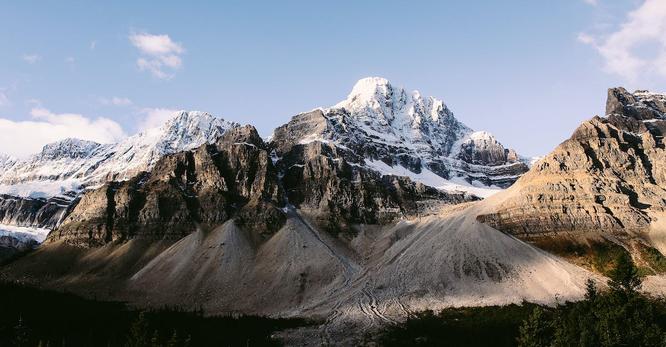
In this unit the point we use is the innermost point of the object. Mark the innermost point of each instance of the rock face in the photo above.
(321, 183)
(236, 178)
(381, 123)
(185, 191)
(72, 164)
(609, 176)
(39, 190)
(39, 212)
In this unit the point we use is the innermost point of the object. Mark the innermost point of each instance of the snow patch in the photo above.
(430, 178)
(24, 233)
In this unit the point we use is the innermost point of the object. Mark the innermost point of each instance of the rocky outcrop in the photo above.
(610, 176)
(322, 183)
(233, 178)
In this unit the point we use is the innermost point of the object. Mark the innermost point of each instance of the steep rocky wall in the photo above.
(609, 176)
(185, 191)
(36, 213)
(319, 181)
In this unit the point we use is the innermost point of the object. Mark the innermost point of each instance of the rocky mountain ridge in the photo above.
(307, 225)
(603, 187)
(40, 190)
(379, 127)
(408, 132)
(71, 165)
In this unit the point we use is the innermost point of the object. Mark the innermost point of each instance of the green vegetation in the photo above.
(474, 326)
(595, 255)
(656, 262)
(619, 316)
(33, 317)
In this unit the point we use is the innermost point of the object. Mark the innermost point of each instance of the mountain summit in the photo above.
(396, 132)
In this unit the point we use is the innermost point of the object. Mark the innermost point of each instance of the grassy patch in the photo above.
(598, 256)
(655, 261)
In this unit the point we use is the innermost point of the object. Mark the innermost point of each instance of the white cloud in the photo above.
(159, 54)
(116, 101)
(21, 138)
(4, 99)
(638, 48)
(93, 45)
(586, 39)
(155, 117)
(592, 2)
(70, 60)
(31, 58)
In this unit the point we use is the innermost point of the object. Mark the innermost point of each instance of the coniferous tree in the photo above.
(139, 332)
(21, 334)
(536, 331)
(174, 340)
(624, 277)
(590, 290)
(155, 340)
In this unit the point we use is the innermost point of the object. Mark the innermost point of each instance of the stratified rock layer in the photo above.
(609, 176)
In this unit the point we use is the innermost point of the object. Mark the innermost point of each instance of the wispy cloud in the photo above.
(155, 117)
(116, 101)
(31, 58)
(93, 45)
(591, 2)
(638, 48)
(160, 55)
(4, 99)
(21, 138)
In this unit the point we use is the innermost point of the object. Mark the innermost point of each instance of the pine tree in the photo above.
(155, 340)
(174, 340)
(536, 330)
(624, 277)
(188, 341)
(21, 334)
(139, 332)
(590, 290)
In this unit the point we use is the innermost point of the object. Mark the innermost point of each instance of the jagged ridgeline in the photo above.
(236, 178)
(378, 128)
(360, 213)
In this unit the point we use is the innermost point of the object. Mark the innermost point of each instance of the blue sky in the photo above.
(527, 71)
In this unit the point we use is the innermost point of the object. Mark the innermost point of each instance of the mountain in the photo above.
(39, 190)
(331, 220)
(314, 223)
(396, 132)
(71, 165)
(228, 227)
(603, 188)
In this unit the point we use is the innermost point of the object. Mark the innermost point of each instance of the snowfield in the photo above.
(71, 165)
(23, 233)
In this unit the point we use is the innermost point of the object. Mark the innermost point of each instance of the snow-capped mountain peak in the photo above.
(398, 131)
(69, 148)
(73, 164)
(376, 99)
(183, 131)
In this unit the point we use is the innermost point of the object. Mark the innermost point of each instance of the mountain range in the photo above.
(357, 215)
